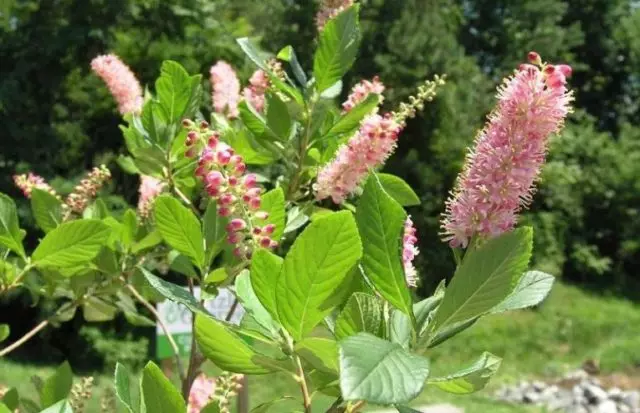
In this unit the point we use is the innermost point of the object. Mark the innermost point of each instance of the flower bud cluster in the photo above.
(28, 182)
(409, 252)
(254, 93)
(329, 10)
(237, 193)
(361, 91)
(426, 93)
(86, 190)
(227, 387)
(149, 190)
(80, 394)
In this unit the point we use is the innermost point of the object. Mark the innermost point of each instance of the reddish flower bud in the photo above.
(269, 228)
(187, 123)
(204, 125)
(224, 211)
(566, 70)
(534, 58)
(265, 242)
(237, 224)
(249, 181)
(214, 178)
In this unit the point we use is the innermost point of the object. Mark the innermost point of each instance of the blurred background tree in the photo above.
(58, 119)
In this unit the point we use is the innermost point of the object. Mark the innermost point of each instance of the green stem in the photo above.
(302, 153)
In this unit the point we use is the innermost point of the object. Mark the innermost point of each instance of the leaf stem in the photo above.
(194, 360)
(35, 330)
(306, 399)
(295, 182)
(155, 313)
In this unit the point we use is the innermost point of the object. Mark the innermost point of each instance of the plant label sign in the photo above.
(178, 320)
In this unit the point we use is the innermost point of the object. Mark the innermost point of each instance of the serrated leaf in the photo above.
(5, 331)
(57, 386)
(95, 309)
(321, 353)
(399, 190)
(47, 209)
(316, 265)
(129, 228)
(71, 244)
(362, 313)
(256, 55)
(381, 222)
(256, 123)
(265, 270)
(532, 288)
(177, 92)
(278, 117)
(174, 292)
(470, 379)
(289, 55)
(337, 48)
(10, 233)
(273, 203)
(350, 121)
(485, 277)
(149, 241)
(159, 395)
(384, 373)
(225, 348)
(296, 218)
(180, 228)
(123, 387)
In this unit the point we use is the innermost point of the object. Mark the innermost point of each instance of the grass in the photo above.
(571, 327)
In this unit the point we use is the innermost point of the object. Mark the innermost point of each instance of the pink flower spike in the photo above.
(202, 390)
(500, 172)
(27, 183)
(566, 70)
(121, 81)
(225, 89)
(150, 188)
(329, 10)
(255, 92)
(409, 251)
(361, 91)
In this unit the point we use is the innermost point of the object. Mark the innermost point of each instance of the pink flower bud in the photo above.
(257, 231)
(269, 228)
(207, 156)
(201, 171)
(249, 181)
(565, 70)
(214, 178)
(237, 224)
(213, 141)
(235, 237)
(223, 157)
(227, 199)
(254, 192)
(534, 58)
(192, 137)
(254, 203)
(236, 159)
(240, 168)
(233, 181)
(265, 242)
(261, 215)
(213, 191)
(224, 211)
(204, 125)
(239, 252)
(187, 123)
(274, 244)
(190, 153)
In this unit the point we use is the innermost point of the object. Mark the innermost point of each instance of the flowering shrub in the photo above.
(277, 194)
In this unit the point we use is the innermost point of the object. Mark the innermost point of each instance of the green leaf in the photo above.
(256, 55)
(381, 222)
(174, 292)
(296, 218)
(379, 371)
(533, 287)
(159, 395)
(351, 120)
(400, 326)
(47, 209)
(289, 55)
(399, 190)
(257, 124)
(71, 244)
(149, 241)
(180, 228)
(447, 332)
(225, 348)
(57, 386)
(485, 277)
(265, 270)
(273, 203)
(63, 406)
(470, 379)
(315, 267)
(213, 407)
(337, 48)
(215, 234)
(11, 399)
(5, 331)
(4, 408)
(405, 409)
(362, 313)
(266, 406)
(278, 117)
(177, 92)
(10, 233)
(252, 305)
(181, 264)
(123, 387)
(95, 309)
(129, 228)
(321, 353)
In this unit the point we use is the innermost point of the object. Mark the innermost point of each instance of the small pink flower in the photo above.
(150, 188)
(254, 93)
(121, 81)
(409, 252)
(225, 89)
(499, 176)
(87, 189)
(329, 10)
(202, 391)
(368, 149)
(28, 182)
(361, 91)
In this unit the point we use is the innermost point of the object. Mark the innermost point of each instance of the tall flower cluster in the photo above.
(225, 89)
(409, 252)
(121, 81)
(254, 93)
(500, 172)
(149, 190)
(237, 193)
(368, 149)
(330, 9)
(361, 91)
(28, 182)
(202, 390)
(227, 387)
(86, 190)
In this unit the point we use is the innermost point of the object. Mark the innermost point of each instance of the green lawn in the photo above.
(570, 327)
